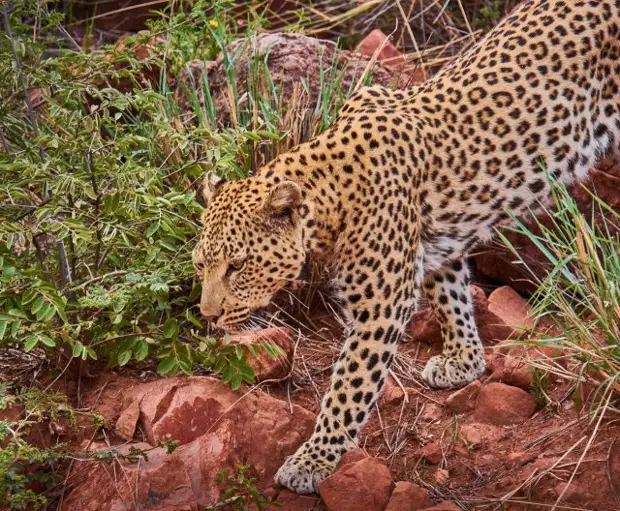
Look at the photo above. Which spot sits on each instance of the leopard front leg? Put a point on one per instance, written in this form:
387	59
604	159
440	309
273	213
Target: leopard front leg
359	374
462	360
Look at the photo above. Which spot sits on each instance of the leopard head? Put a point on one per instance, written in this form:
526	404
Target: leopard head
251	246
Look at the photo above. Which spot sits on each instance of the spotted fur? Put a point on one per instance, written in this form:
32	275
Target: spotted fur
402	187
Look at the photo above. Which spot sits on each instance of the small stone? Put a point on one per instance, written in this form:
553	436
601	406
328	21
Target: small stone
431	412
408	497
511	371
392	394
512	309
441	476
503	405
471	434
520	458
464	400
430	452
364	485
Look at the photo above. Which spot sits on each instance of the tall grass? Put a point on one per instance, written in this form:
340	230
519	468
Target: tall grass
579	294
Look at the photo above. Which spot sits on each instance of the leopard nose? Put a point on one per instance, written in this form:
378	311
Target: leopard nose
211	318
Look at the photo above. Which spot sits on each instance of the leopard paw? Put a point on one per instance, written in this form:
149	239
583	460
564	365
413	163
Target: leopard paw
443	372
302	474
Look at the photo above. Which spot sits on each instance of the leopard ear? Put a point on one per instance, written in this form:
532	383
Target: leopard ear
211	186
282	202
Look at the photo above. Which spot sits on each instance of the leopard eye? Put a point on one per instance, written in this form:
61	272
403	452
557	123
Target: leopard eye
234	267
200	270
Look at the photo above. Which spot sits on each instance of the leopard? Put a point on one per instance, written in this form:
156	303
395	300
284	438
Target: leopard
398	191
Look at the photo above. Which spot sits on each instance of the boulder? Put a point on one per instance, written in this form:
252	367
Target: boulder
502	405
215	429
291	59
408	497
363	485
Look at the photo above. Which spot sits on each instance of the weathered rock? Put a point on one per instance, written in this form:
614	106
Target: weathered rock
290	501
352	456
210	423
464	400
266	367
502	405
392	394
408	497
366	484
476	434
291	59
377	42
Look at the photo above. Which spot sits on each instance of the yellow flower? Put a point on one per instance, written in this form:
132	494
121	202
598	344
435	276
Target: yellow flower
213	23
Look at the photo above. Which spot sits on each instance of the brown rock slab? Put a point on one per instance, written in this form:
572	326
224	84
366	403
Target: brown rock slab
408	497
364	485
503	405
464	400
210	423
266	367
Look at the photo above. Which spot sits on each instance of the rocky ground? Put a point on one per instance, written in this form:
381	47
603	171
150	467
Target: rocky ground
490	445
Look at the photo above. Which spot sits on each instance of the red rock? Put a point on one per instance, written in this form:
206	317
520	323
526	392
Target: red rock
162	483
520	458
444	506
431	412
363	485
441	476
377	41
510	370
352	456
463	400
408	497
127	422
512	309
502	405
430	452
210	423
392	393
471	434
265	367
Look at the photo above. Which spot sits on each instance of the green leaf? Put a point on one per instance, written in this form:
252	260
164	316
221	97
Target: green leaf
78	347
18	314
141	350
235	382
48	341
153	228
31	342
186	367
229	372
166	366
124	357
3	326
171	328
38	303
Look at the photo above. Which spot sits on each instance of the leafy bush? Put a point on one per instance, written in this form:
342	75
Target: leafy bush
98	211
